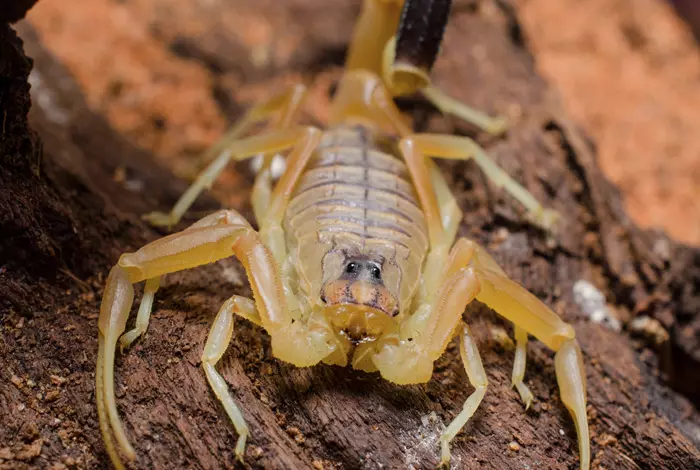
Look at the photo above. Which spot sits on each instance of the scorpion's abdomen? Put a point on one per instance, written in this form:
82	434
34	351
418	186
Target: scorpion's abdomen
354	192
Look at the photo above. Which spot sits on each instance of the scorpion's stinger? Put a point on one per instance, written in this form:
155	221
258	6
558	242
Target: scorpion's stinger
401	44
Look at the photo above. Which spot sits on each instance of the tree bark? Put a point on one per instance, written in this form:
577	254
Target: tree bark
65	218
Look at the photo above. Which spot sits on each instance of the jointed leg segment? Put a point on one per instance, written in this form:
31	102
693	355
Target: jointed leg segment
471	273
477	377
217	342
299	139
519	366
463	148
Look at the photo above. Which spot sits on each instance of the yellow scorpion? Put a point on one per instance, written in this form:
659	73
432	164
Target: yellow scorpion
356	258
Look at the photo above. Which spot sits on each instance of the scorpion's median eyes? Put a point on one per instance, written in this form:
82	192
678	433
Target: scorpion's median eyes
351	268
376	272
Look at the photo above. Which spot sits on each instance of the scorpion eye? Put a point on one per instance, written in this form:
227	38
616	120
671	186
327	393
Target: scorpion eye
351	268
376	272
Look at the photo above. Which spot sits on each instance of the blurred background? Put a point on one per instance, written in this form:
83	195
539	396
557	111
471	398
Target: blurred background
628	71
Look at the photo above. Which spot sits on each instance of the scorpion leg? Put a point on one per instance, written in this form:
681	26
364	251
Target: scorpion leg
464	148
217	236
286	106
477	377
519	366
217	342
447	105
528	313
143	316
273	141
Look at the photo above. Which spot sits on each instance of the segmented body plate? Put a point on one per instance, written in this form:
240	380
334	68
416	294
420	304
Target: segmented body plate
356	193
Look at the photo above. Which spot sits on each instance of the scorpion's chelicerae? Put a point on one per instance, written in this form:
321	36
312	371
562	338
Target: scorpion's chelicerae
356	259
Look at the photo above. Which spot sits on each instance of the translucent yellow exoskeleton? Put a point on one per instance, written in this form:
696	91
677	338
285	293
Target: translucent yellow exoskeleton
356	259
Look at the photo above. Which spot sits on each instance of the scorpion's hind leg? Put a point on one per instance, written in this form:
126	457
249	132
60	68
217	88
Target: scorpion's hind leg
417	146
301	139
233	147
447	105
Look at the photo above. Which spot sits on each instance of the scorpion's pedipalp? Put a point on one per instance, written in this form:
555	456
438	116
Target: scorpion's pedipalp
571	378
216	236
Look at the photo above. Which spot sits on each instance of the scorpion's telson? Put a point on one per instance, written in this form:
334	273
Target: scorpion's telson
356	259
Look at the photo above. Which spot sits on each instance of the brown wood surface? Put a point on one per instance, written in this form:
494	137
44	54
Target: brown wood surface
65	218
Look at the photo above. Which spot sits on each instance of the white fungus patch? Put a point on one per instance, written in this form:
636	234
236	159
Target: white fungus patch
591	301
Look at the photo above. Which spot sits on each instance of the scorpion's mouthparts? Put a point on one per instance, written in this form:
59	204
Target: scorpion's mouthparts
359	321
370	294
359	307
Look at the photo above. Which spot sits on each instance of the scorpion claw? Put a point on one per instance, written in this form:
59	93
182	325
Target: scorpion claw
299	346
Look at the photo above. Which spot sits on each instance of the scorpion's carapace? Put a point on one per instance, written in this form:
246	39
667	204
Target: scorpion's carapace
356	259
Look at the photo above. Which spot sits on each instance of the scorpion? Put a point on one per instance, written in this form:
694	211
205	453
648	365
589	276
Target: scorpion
356	259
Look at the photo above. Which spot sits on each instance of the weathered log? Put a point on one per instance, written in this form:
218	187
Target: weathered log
65	218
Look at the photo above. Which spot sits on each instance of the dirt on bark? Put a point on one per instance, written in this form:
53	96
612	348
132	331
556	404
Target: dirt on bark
70	204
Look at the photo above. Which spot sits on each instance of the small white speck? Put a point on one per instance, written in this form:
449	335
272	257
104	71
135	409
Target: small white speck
561	431
277	168
135	186
232	275
591	301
